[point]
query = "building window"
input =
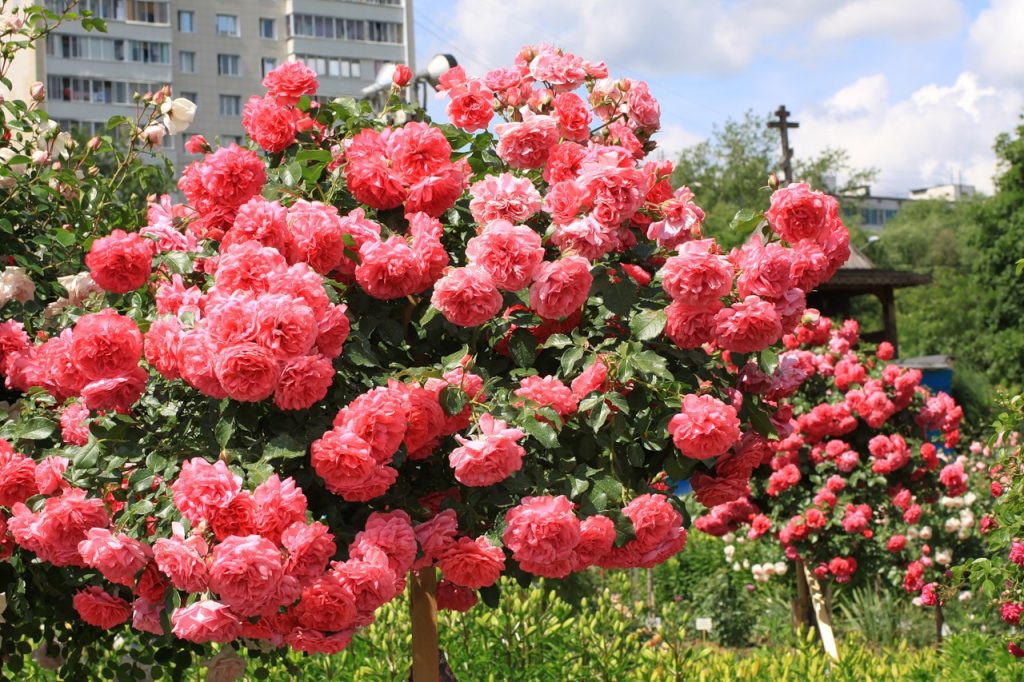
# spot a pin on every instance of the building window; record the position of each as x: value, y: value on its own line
x: 228, y: 65
x: 148, y: 12
x: 268, y: 64
x: 227, y: 25
x: 230, y: 105
x: 268, y: 29
x: 383, y: 32
x: 186, y: 21
x: 191, y: 96
x: 333, y: 66
x: 100, y: 91
x: 229, y: 139
x: 187, y: 62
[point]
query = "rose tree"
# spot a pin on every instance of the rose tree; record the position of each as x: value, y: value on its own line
x: 387, y: 345
x: 860, y: 473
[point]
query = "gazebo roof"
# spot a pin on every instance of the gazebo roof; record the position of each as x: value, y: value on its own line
x: 858, y: 273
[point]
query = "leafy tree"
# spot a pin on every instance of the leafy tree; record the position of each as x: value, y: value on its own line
x: 725, y: 171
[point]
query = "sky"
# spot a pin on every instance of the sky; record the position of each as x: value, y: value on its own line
x: 917, y: 89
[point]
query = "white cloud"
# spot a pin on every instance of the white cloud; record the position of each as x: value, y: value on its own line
x: 938, y: 134
x: 903, y: 19
x: 686, y: 36
x: 995, y: 46
x: 673, y: 139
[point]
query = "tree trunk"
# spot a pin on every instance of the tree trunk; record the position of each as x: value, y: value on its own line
x: 651, y: 601
x: 821, y: 599
x: 423, y: 609
x: 803, y: 611
x: 940, y: 620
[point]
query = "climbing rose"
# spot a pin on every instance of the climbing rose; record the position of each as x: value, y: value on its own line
x: 706, y: 427
x: 120, y: 262
x: 100, y: 609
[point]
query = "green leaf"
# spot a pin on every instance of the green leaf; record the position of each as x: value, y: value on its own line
x: 558, y: 341
x: 36, y: 428
x: 679, y: 469
x: 453, y: 399
x: 746, y: 220
x: 223, y: 431
x: 571, y: 358
x: 648, y: 324
x: 651, y: 364
x: 769, y: 360
x: 543, y: 432
x: 522, y: 347
x: 86, y: 456
x: 620, y: 296
x: 599, y: 416
x: 624, y: 530
x: 283, y: 446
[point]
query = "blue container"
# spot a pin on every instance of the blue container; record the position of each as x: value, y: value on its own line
x: 938, y: 379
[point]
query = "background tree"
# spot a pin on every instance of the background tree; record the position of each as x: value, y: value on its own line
x: 732, y: 166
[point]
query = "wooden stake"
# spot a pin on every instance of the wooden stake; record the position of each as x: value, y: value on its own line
x: 821, y: 599
x: 803, y: 613
x: 423, y: 609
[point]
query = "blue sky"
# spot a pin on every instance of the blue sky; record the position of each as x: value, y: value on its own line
x: 915, y: 88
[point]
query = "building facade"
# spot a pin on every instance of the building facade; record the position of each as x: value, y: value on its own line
x: 876, y: 211
x: 214, y: 52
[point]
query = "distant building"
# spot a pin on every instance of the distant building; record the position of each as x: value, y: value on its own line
x: 875, y: 211
x: 950, y: 192
x: 214, y: 52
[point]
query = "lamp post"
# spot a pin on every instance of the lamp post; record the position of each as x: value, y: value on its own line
x: 439, y: 65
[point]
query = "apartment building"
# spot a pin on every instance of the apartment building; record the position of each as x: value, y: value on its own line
x: 214, y: 52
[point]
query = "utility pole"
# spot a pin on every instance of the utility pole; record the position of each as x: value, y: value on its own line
x: 784, y: 124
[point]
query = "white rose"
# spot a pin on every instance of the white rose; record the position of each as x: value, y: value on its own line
x: 965, y: 595
x: 970, y: 499
x: 178, y: 114
x: 781, y: 567
x: 79, y: 287
x: 925, y: 533
x: 952, y: 525
x: 944, y: 557
x: 15, y: 284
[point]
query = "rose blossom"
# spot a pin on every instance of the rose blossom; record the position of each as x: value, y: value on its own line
x: 205, y: 621
x: 201, y: 488
x: 101, y: 609
x: 472, y: 563
x: 118, y: 557
x: 183, y: 561
x: 511, y: 254
x: 706, y: 427
x: 389, y: 269
x: 798, y: 213
x: 542, y: 533
x: 697, y: 277
x: 527, y: 144
x: 467, y: 297
x: 560, y: 287
x: 248, y: 372
x: 747, y: 326
x: 105, y: 345
x: 503, y: 197
x: 120, y: 262
x: 248, y: 575
x: 270, y: 124
x: 490, y: 459
x: 290, y: 81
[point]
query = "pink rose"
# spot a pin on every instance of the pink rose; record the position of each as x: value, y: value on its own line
x: 316, y: 231
x: 247, y: 573
x: 100, y: 609
x: 379, y: 418
x: 542, y: 533
x: 747, y: 326
x: 573, y: 117
x: 452, y: 597
x: 248, y: 267
x: 121, y: 262
x: 510, y: 253
x: 116, y: 393
x: 53, y: 533
x: 490, y: 459
x: 697, y: 277
x: 118, y: 557
x: 183, y: 561
x: 689, y: 326
x: 798, y: 213
x: 560, y: 287
x: 261, y: 221
x: 472, y: 106
x: 472, y: 563
x: 435, y: 535
x: 527, y: 144
x: 597, y: 537
x: 201, y: 488
x: 706, y: 427
x: 105, y: 345
x: 327, y: 604
x: 546, y: 391
x: 205, y: 621
x: 270, y: 124
x: 161, y: 345
x: 342, y: 459
x: 389, y: 269
x: 17, y: 476
x: 392, y: 533
x: 467, y: 297
x: 309, y: 549
x: 50, y: 471
x: 374, y: 184
x: 248, y: 372
x: 503, y: 197
x: 765, y: 270
x: 304, y: 382
x: 290, y: 81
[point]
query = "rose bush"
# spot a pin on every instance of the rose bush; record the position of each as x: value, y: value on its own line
x: 865, y: 478
x: 388, y: 345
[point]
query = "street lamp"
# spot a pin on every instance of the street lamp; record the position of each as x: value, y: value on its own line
x: 439, y: 65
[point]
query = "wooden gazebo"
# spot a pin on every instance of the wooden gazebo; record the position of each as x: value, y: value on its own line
x: 857, y: 277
